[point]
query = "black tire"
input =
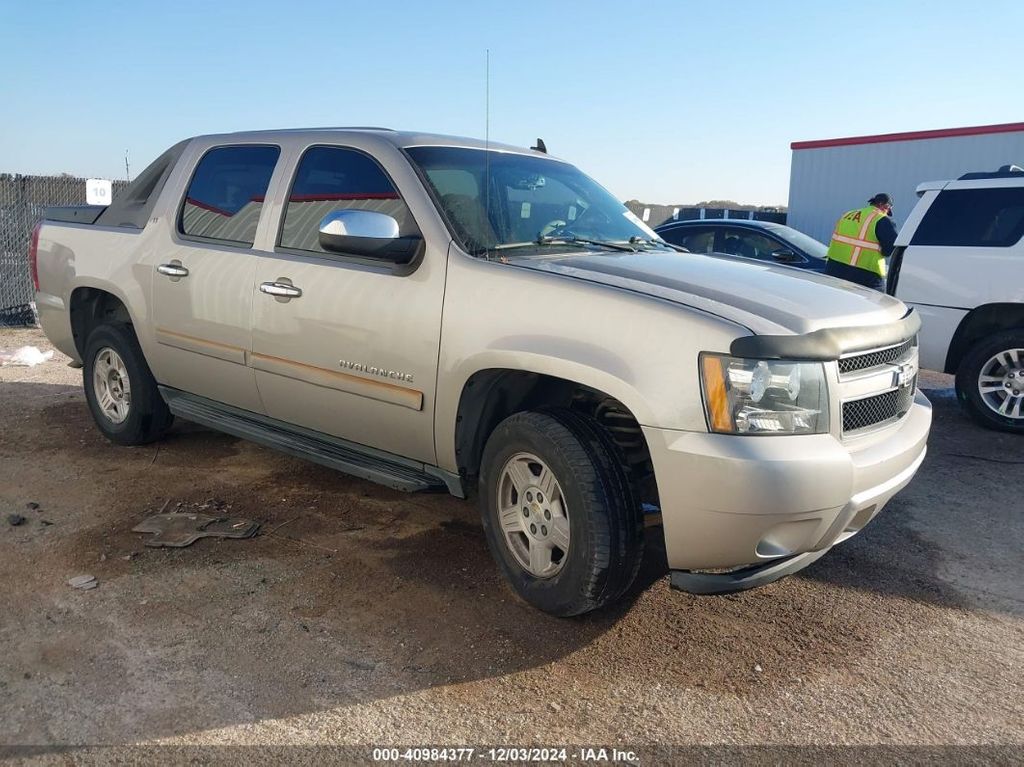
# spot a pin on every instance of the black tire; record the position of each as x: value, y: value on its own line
x: 967, y: 388
x: 148, y: 416
x: 606, y: 524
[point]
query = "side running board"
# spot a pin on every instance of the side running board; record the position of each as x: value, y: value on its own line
x: 358, y: 460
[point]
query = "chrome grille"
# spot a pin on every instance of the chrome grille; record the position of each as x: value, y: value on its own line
x: 875, y: 358
x: 878, y: 409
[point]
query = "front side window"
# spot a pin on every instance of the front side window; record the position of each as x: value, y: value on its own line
x: 985, y: 218
x: 804, y: 242
x: 499, y: 200
x: 741, y: 242
x: 225, y: 196
x: 336, y: 178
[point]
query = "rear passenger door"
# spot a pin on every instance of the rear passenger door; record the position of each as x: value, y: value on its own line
x: 967, y: 248
x: 202, y: 283
x: 354, y: 353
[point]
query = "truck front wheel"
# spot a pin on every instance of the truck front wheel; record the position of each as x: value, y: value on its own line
x: 990, y: 381
x: 120, y: 389
x: 561, y: 517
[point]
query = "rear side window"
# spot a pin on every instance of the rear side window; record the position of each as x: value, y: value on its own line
x: 225, y: 196
x: 336, y: 178
x: 695, y: 240
x: 986, y: 218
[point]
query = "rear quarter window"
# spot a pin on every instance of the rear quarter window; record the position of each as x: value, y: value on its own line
x: 985, y: 218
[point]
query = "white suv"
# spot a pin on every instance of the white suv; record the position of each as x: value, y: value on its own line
x: 959, y: 260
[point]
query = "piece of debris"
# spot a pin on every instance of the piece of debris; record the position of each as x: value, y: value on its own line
x: 757, y: 668
x: 45, y: 522
x: 32, y: 506
x: 103, y: 557
x: 15, y: 519
x: 26, y: 356
x: 364, y: 665
x: 179, y: 530
x: 84, y: 582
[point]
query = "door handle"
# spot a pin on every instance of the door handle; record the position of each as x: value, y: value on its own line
x: 173, y: 270
x: 280, y: 289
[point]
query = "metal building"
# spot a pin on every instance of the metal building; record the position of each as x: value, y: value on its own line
x: 832, y: 176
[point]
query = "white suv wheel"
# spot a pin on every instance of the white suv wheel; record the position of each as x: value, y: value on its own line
x: 1001, y: 383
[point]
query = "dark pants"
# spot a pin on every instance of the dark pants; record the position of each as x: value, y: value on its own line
x: 855, y: 274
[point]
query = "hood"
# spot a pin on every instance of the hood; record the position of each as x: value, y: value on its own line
x: 765, y: 298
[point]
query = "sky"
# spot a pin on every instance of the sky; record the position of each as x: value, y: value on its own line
x: 666, y: 102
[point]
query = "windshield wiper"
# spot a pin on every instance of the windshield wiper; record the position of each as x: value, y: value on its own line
x: 659, y: 243
x: 572, y: 239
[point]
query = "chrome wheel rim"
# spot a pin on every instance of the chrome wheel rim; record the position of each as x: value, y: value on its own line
x: 532, y: 515
x: 111, y: 384
x: 1001, y: 383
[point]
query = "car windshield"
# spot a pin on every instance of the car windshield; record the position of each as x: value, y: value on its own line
x: 500, y: 201
x: 804, y: 242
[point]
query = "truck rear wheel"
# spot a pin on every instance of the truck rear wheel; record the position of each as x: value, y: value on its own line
x: 561, y: 517
x: 120, y: 389
x: 990, y: 381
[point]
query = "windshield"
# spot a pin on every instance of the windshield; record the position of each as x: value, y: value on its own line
x: 807, y: 244
x: 532, y: 202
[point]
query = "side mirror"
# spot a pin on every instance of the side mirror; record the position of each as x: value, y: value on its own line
x: 785, y: 256
x: 368, y: 234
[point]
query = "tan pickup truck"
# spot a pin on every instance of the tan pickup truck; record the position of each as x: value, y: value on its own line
x: 437, y: 313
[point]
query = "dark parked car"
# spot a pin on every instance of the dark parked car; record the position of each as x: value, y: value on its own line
x: 760, y: 240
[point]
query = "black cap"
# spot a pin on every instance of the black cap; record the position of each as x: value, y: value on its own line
x: 880, y: 199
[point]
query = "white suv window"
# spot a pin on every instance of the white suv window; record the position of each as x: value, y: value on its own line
x: 987, y: 218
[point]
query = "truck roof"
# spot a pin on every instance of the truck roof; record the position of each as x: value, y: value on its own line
x: 401, y: 139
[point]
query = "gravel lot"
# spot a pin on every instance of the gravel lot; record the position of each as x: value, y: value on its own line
x: 366, y: 616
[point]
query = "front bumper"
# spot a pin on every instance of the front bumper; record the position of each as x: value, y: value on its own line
x: 757, y: 502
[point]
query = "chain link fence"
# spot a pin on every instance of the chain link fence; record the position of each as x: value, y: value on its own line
x: 22, y: 200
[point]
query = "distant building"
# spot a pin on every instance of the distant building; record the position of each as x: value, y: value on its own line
x: 835, y: 175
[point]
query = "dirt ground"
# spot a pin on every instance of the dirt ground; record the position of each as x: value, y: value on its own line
x: 366, y: 616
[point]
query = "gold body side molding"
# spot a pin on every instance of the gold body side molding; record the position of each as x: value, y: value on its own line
x: 333, y: 379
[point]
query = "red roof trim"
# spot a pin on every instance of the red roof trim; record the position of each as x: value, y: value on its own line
x: 207, y: 206
x: 883, y: 138
x: 343, y: 196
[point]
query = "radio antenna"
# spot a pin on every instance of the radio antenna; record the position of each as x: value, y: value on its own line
x: 487, y: 143
x: 127, y: 169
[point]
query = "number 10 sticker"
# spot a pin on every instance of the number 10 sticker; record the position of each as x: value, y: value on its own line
x: 98, y: 191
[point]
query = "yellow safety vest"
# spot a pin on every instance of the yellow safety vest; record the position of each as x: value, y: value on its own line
x: 854, y: 241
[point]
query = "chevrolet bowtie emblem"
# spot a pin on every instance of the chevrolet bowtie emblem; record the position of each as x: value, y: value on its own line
x: 905, y: 374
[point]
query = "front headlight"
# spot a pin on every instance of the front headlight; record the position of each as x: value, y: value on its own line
x: 744, y: 396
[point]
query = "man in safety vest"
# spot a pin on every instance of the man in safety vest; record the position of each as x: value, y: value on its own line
x: 861, y: 243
